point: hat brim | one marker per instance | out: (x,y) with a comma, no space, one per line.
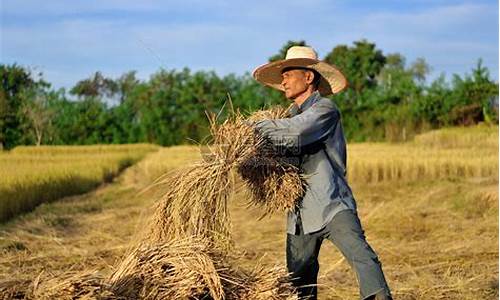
(332,80)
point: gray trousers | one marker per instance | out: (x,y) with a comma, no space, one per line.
(345,232)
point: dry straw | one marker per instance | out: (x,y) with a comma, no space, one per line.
(177,269)
(187,251)
(15,289)
(273,181)
(84,285)
(193,268)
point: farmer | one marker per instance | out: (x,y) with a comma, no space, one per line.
(328,209)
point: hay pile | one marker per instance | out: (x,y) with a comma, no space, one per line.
(186,251)
(177,269)
(193,268)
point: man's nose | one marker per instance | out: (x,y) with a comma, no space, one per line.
(283,83)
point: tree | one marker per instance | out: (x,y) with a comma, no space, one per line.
(36,109)
(472,97)
(90,121)
(95,86)
(361,63)
(434,107)
(125,84)
(420,69)
(395,65)
(387,100)
(397,83)
(15,82)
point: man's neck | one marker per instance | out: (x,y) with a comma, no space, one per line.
(303,97)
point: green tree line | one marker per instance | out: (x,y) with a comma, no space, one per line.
(387,99)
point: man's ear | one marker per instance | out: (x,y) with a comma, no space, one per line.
(309,76)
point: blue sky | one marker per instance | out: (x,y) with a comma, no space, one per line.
(69,40)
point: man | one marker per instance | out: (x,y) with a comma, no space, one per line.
(328,209)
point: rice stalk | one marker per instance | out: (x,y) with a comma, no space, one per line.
(178,269)
(192,268)
(195,205)
(261,283)
(86,285)
(15,289)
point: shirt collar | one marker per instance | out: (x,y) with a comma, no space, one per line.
(309,101)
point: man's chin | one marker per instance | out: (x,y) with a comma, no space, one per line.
(289,96)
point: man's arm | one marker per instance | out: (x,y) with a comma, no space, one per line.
(301,130)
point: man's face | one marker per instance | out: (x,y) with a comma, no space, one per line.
(295,82)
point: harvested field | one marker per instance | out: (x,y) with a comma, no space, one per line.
(437,237)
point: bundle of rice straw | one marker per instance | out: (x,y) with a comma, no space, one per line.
(274,181)
(192,268)
(178,269)
(196,203)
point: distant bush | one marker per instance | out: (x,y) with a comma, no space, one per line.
(386,100)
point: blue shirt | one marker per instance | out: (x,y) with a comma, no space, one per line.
(314,134)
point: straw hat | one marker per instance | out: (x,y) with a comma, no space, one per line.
(332,80)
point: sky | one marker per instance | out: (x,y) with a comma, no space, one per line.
(70,40)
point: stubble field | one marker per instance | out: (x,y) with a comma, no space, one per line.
(429,209)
